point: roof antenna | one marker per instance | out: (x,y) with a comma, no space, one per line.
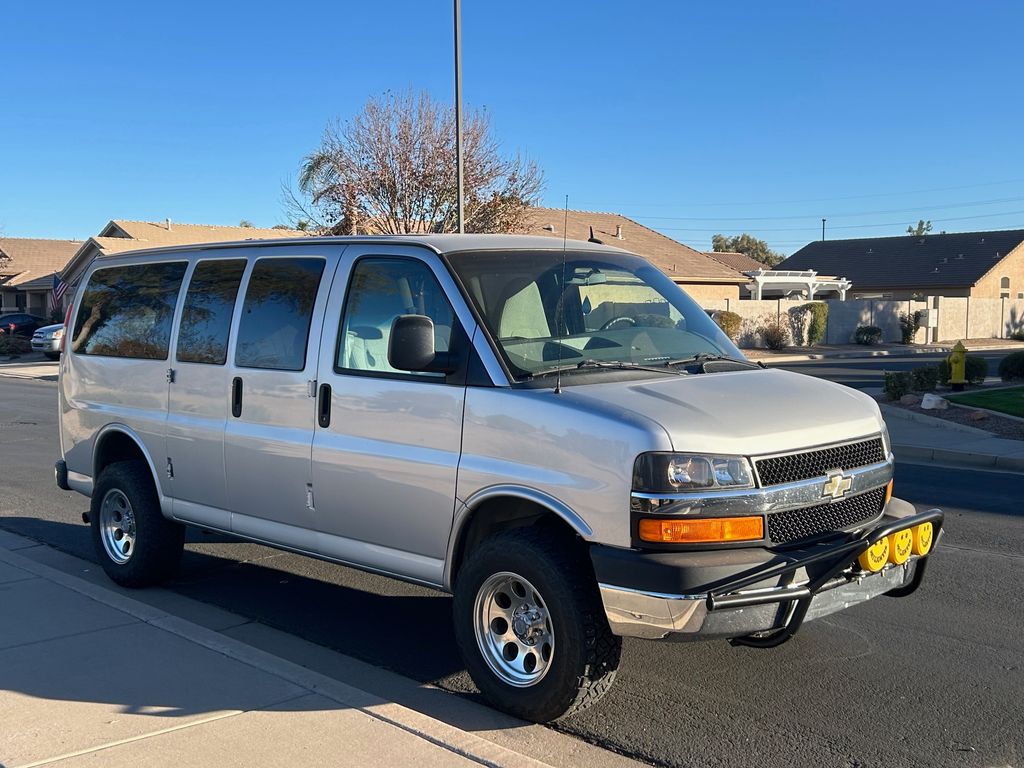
(560,308)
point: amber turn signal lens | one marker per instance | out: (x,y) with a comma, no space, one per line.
(888,492)
(702,530)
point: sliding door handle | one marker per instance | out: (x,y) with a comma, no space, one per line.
(236,397)
(323,406)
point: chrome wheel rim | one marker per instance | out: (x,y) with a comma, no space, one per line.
(117,526)
(513,629)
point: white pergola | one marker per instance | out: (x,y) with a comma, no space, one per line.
(786,281)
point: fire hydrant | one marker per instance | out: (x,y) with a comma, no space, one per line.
(958,367)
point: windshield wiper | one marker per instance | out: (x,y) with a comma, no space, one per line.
(705,357)
(621,365)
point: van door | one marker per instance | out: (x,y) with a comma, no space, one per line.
(387,442)
(199,385)
(271,385)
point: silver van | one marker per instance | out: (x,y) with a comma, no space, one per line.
(555,433)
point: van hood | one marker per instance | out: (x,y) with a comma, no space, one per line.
(747,412)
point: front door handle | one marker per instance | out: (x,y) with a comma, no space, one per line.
(323,406)
(236,397)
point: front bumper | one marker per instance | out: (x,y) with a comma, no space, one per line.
(51,346)
(758,595)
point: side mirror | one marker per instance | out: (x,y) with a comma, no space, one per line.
(411,346)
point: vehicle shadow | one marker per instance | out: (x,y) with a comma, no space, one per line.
(402,628)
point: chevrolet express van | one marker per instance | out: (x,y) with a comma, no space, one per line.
(555,433)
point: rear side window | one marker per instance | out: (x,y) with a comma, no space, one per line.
(278,308)
(209,304)
(127,311)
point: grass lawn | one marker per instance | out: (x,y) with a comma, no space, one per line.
(1009,400)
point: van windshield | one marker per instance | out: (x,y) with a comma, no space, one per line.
(608,308)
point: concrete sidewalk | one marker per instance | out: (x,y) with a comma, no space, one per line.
(30,366)
(90,676)
(916,437)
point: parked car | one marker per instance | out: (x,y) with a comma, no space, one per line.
(47,340)
(556,434)
(21,324)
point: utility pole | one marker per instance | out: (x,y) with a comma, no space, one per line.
(458,107)
(822,221)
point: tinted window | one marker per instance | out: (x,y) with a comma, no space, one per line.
(127,311)
(379,291)
(209,304)
(276,314)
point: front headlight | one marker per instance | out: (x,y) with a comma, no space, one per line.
(58,334)
(687,472)
(886,442)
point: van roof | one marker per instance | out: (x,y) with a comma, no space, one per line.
(449,243)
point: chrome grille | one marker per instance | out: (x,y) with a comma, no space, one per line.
(818,463)
(812,522)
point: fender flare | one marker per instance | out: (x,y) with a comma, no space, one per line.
(464,514)
(132,435)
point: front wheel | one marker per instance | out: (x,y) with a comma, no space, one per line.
(531,628)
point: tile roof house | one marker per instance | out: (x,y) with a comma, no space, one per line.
(703,276)
(27,267)
(123,235)
(975,264)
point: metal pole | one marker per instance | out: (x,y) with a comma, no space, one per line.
(822,221)
(458,108)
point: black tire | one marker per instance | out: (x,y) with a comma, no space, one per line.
(156,543)
(585,653)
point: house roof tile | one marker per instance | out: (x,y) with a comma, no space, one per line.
(24,259)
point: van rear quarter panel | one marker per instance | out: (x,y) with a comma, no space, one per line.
(580,453)
(101,391)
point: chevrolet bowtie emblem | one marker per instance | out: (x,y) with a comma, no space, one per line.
(836,487)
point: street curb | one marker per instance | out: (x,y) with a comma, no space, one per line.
(430,729)
(919,453)
(866,354)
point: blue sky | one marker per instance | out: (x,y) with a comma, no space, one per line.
(693,118)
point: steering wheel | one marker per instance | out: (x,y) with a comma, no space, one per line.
(620,319)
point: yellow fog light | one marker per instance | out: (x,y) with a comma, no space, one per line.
(900,545)
(874,557)
(923,534)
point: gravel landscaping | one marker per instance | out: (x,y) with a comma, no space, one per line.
(999,426)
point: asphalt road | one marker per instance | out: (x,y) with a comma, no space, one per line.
(867,372)
(933,679)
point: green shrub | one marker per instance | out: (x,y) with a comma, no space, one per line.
(730,323)
(975,370)
(868,335)
(819,320)
(775,335)
(1011,367)
(897,384)
(1017,335)
(924,378)
(909,325)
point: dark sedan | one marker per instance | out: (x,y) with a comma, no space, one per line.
(21,324)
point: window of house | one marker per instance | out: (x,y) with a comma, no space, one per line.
(127,311)
(274,328)
(1004,283)
(209,304)
(380,290)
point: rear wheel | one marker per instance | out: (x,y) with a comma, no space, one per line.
(137,546)
(531,628)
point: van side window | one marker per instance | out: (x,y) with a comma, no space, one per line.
(127,311)
(278,308)
(209,304)
(379,291)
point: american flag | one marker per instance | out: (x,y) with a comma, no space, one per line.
(58,291)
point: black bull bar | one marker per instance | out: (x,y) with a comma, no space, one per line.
(822,567)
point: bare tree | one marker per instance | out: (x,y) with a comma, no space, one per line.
(391,170)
